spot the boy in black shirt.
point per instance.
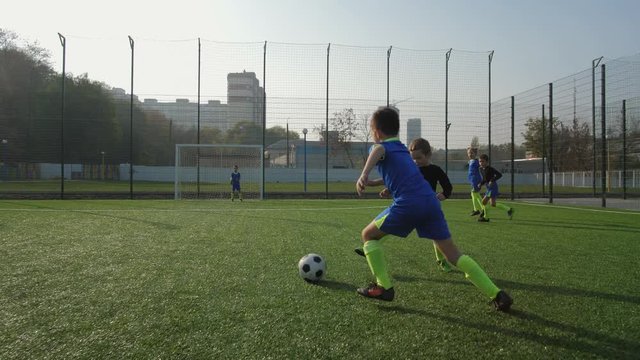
(490, 177)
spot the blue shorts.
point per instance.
(235, 187)
(474, 184)
(424, 216)
(492, 191)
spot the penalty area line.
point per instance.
(196, 210)
(630, 212)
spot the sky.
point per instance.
(534, 42)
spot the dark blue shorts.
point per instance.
(235, 187)
(425, 216)
(492, 191)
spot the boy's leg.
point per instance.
(440, 259)
(240, 195)
(377, 263)
(477, 202)
(383, 288)
(474, 273)
(502, 206)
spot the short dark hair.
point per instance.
(484, 157)
(421, 145)
(387, 120)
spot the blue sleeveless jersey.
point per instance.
(474, 176)
(401, 175)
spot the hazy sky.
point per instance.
(535, 42)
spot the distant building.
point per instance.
(245, 98)
(245, 102)
(413, 129)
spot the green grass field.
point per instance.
(218, 280)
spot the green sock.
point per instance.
(377, 263)
(477, 276)
(439, 254)
(485, 209)
(475, 200)
(503, 206)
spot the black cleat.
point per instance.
(510, 213)
(483, 219)
(359, 251)
(474, 213)
(376, 291)
(502, 301)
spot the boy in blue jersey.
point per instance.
(235, 183)
(490, 177)
(414, 206)
(475, 179)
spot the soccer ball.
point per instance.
(312, 267)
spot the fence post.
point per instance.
(198, 130)
(388, 61)
(624, 149)
(489, 140)
(551, 143)
(446, 112)
(131, 44)
(594, 64)
(264, 111)
(326, 130)
(603, 117)
(544, 151)
(513, 146)
(63, 42)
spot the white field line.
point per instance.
(553, 206)
(193, 210)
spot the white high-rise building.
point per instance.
(413, 129)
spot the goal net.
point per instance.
(204, 171)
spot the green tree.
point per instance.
(277, 133)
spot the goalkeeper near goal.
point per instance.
(235, 183)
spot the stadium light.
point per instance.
(304, 132)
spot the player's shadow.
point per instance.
(336, 285)
(550, 289)
(574, 338)
(99, 214)
(580, 226)
(272, 219)
(157, 224)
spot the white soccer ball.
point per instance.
(312, 267)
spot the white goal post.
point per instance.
(203, 171)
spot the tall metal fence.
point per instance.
(109, 129)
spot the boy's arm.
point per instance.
(495, 175)
(374, 156)
(447, 188)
